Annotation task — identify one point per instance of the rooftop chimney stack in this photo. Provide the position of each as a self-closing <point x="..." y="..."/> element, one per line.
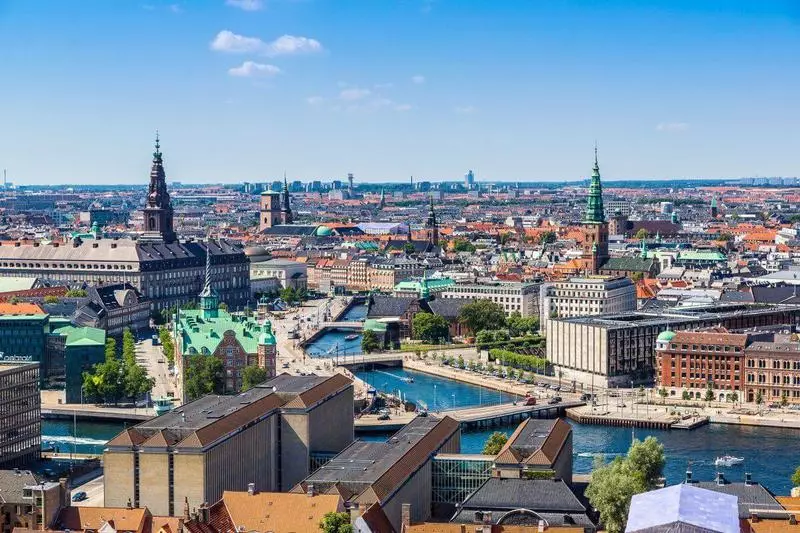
<point x="310" y="489"/>
<point x="251" y="489"/>
<point x="748" y="478"/>
<point x="720" y="478"/>
<point x="405" y="516"/>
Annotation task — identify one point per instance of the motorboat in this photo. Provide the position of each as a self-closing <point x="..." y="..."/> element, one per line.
<point x="351" y="337"/>
<point x="728" y="460"/>
<point x="408" y="379"/>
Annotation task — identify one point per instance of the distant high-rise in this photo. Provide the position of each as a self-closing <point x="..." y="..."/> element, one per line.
<point x="350" y="184"/>
<point x="714" y="211"/>
<point x="469" y="179"/>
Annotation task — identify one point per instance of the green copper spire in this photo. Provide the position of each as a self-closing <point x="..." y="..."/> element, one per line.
<point x="209" y="301"/>
<point x="595" y="214"/>
<point x="643" y="248"/>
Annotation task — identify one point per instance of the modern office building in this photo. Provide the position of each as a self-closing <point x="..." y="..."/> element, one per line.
<point x="165" y="270"/>
<point x="613" y="350"/>
<point x="20" y="414"/>
<point x="269" y="436"/>
<point x="515" y="297"/>
<point x="590" y="295"/>
<point x="394" y="474"/>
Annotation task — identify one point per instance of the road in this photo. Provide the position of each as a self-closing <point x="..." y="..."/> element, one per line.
<point x="94" y="493"/>
<point x="152" y="358"/>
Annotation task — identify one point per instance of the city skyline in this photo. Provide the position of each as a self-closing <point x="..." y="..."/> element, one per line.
<point x="243" y="89"/>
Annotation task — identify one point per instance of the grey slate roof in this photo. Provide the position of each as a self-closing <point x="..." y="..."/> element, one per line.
<point x="629" y="264"/>
<point x="751" y="496"/>
<point x="388" y="306"/>
<point x="448" y="307"/>
<point x="776" y="295"/>
<point x="11" y="484"/>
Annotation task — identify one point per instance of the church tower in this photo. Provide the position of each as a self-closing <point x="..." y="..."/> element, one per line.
<point x="158" y="209"/>
<point x="269" y="208"/>
<point x="286" y="207"/>
<point x="267" y="349"/>
<point x="209" y="300"/>
<point x="594" y="252"/>
<point x="382" y="202"/>
<point x="431" y="227"/>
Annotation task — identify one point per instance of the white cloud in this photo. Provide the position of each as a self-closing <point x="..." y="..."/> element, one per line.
<point x="465" y="110"/>
<point x="251" y="69"/>
<point x="246" y="5"/>
<point x="315" y="100"/>
<point x="418" y="79"/>
<point x="227" y="41"/>
<point x="354" y="94"/>
<point x="672" y="126"/>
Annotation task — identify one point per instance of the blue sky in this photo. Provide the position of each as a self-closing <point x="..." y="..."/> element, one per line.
<point x="518" y="90"/>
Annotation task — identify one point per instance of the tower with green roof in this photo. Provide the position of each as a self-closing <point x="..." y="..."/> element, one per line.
<point x="595" y="228"/>
<point x="267" y="349"/>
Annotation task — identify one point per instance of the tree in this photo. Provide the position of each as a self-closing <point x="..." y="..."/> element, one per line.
<point x="548" y="237"/>
<point x="167" y="345"/>
<point x="495" y="443"/>
<point x="205" y="374"/>
<point x="784" y="399"/>
<point x="408" y="248"/>
<point x="796" y="477"/>
<point x="734" y="397"/>
<point x="641" y="234"/>
<point x="610" y="491"/>
<point x="223" y="307"/>
<point x="709" y="397"/>
<point x="482" y="314"/>
<point x="759" y="398"/>
<point x="430" y="327"/>
<point x="505" y="237"/>
<point x="461" y="245"/>
<point x="613" y="485"/>
<point x="647" y="458"/>
<point x="725" y="237"/>
<point x="76" y="293"/>
<point x="253" y="375"/>
<point x="369" y="341"/>
<point x="519" y="325"/>
<point x="104" y="382"/>
<point x="334" y="522"/>
<point x="686" y="395"/>
<point x="663" y="393"/>
<point x="51" y="299"/>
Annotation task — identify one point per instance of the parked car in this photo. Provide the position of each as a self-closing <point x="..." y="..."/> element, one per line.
<point x="557" y="388"/>
<point x="79" y="496"/>
<point x="554" y="400"/>
<point x="530" y="400"/>
<point x="384" y="416"/>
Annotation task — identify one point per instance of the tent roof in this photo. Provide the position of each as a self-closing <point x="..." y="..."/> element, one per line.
<point x="683" y="508"/>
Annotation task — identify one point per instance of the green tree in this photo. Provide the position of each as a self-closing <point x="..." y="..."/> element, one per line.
<point x="482" y="314"/>
<point x="495" y="443"/>
<point x="369" y="341"/>
<point x="505" y="237"/>
<point x="519" y="325"/>
<point x="167" y="346"/>
<point x="336" y="523"/>
<point x="223" y="306"/>
<point x="647" y="458"/>
<point x="51" y="299"/>
<point x="408" y="248"/>
<point x="725" y="237"/>
<point x="253" y="375"/>
<point x="76" y="293"/>
<point x="734" y="397"/>
<point x="641" y="234"/>
<point x="759" y="398"/>
<point x="548" y="237"/>
<point x="430" y="328"/>
<point x="709" y="396"/>
<point x="796" y="477"/>
<point x="288" y="294"/>
<point x="106" y="381"/>
<point x="686" y="395"/>
<point x="663" y="393"/>
<point x="784" y="400"/>
<point x="205" y="374"/>
<point x="461" y="245"/>
<point x="610" y="491"/>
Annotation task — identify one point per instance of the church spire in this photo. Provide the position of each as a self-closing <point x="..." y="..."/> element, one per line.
<point x="382" y="202"/>
<point x="286" y="208"/>
<point x="595" y="214"/>
<point x="431" y="225"/>
<point x="158" y="208"/>
<point x="209" y="302"/>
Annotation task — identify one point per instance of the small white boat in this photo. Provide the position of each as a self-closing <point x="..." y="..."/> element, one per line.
<point x="728" y="460"/>
<point x="408" y="379"/>
<point x="351" y="337"/>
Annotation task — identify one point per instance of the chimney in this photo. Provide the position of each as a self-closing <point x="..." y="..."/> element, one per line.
<point x="405" y="516"/>
<point x="251" y="489"/>
<point x="310" y="489"/>
<point x="129" y="505"/>
<point x="205" y="513"/>
<point x="688" y="476"/>
<point x="355" y="513"/>
<point x="754" y="518"/>
<point x="487" y="518"/>
<point x="720" y="478"/>
<point x="748" y="479"/>
<point x="792" y="520"/>
<point x="478" y="517"/>
<point x="186" y="508"/>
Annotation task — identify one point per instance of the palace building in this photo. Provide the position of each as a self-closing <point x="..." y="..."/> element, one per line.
<point x="164" y="269"/>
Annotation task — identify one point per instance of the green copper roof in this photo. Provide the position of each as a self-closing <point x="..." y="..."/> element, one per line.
<point x="374" y="325"/>
<point x="198" y="334"/>
<point x="666" y="336"/>
<point x="82" y="336"/>
<point x="424" y="286"/>
<point x="595" y="214"/>
<point x="323" y="231"/>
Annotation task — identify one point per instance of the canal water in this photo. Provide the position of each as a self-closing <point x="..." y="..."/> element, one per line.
<point x="770" y="454"/>
<point x="335" y="342"/>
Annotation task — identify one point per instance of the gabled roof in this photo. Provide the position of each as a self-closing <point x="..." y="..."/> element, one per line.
<point x="82" y="518"/>
<point x="276" y="511"/>
<point x="670" y="508"/>
<point x="388" y="306"/>
<point x="535" y="442"/>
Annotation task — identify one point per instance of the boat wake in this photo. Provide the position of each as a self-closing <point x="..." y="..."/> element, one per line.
<point x="66" y="439"/>
<point x="598" y="454"/>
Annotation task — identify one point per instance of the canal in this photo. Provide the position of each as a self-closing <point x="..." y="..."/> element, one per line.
<point x="341" y="342"/>
<point x="770" y="454"/>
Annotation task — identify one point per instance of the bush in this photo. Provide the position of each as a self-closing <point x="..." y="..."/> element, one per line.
<point x="518" y="360"/>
